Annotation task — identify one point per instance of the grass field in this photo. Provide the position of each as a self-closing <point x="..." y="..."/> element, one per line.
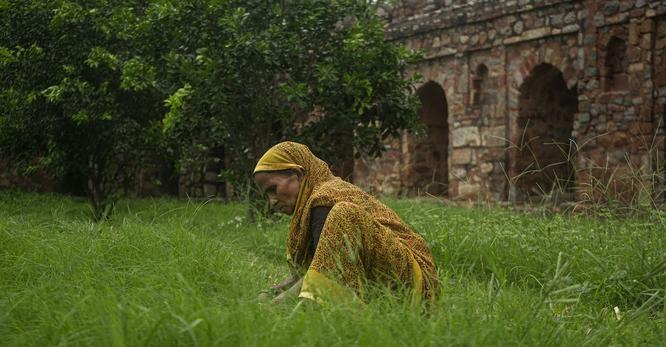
<point x="164" y="272"/>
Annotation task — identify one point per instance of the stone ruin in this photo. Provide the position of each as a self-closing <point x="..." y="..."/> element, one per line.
<point x="526" y="99"/>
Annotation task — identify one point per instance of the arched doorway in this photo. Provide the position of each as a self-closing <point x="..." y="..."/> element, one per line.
<point x="544" y="162"/>
<point x="428" y="169"/>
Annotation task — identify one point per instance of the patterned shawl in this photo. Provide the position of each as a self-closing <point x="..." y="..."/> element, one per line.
<point x="320" y="188"/>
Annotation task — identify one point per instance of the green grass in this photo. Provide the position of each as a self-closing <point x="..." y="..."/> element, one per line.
<point x="164" y="272"/>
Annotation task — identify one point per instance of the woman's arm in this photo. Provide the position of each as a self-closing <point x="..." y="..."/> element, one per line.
<point x="272" y="292"/>
<point x="291" y="286"/>
<point x="289" y="293"/>
<point x="288" y="282"/>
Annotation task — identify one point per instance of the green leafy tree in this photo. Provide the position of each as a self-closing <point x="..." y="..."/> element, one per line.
<point x="251" y="73"/>
<point x="76" y="95"/>
<point x="89" y="88"/>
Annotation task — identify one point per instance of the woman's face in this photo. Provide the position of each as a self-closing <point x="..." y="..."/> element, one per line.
<point x="281" y="188"/>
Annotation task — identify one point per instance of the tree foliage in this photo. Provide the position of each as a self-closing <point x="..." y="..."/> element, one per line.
<point x="259" y="72"/>
<point x="91" y="88"/>
<point x="76" y="97"/>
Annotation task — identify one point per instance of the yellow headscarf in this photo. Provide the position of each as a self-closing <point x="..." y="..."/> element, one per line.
<point x="276" y="158"/>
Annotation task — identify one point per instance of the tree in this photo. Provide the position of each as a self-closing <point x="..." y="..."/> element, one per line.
<point x="75" y="93"/>
<point x="255" y="72"/>
<point x="90" y="88"/>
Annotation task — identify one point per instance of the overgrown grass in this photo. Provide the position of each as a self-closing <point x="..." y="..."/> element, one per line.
<point x="163" y="272"/>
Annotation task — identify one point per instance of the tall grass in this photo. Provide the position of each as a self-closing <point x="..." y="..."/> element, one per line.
<point x="163" y="272"/>
<point x="632" y="184"/>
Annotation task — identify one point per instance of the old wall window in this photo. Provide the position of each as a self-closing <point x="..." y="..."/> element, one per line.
<point x="616" y="65"/>
<point x="479" y="83"/>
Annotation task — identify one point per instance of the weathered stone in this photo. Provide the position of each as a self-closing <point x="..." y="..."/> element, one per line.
<point x="611" y="7"/>
<point x="660" y="44"/>
<point x="592" y="85"/>
<point x="494" y="136"/>
<point x="538" y="22"/>
<point x="486" y="168"/>
<point x="466" y="189"/>
<point x="590" y="39"/>
<point x="570" y="29"/>
<point x="474" y="39"/>
<point x="634" y="33"/>
<point x="617" y="156"/>
<point x="618" y="18"/>
<point x="601" y="127"/>
<point x="518" y="27"/>
<point x="535" y="33"/>
<point x="646" y="42"/>
<point x="637" y="67"/>
<point x="457" y="174"/>
<point x="556" y="20"/>
<point x="461" y="156"/>
<point x="591" y="72"/>
<point x="582" y="14"/>
<point x="599" y="19"/>
<point x="466" y="136"/>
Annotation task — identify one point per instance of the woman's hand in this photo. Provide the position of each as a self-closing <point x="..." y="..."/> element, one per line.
<point x="277" y="290"/>
<point x="290" y="293"/>
<point x="284" y="285"/>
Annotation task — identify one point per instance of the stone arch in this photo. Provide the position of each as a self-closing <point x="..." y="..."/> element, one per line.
<point x="565" y="65"/>
<point x="542" y="161"/>
<point x="427" y="164"/>
<point x="615" y="65"/>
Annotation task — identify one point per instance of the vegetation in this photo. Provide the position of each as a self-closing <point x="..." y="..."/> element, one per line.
<point x="90" y="89"/>
<point x="162" y="272"/>
<point x="318" y="72"/>
<point x="75" y="96"/>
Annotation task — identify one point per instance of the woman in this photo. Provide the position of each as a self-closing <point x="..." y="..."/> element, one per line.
<point x="339" y="236"/>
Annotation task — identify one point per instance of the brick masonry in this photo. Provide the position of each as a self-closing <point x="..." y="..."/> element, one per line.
<point x="530" y="97"/>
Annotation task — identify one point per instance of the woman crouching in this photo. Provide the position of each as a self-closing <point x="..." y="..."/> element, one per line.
<point x="339" y="236"/>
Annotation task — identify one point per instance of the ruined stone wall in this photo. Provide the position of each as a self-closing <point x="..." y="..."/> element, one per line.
<point x="525" y="86"/>
<point x="38" y="182"/>
<point x="155" y="178"/>
<point x="381" y="176"/>
<point x="618" y="120"/>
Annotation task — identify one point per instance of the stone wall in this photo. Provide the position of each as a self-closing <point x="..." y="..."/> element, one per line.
<point x="659" y="66"/>
<point x="381" y="176"/>
<point x="37" y="182"/>
<point x="204" y="183"/>
<point x="155" y="178"/>
<point x="539" y="96"/>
